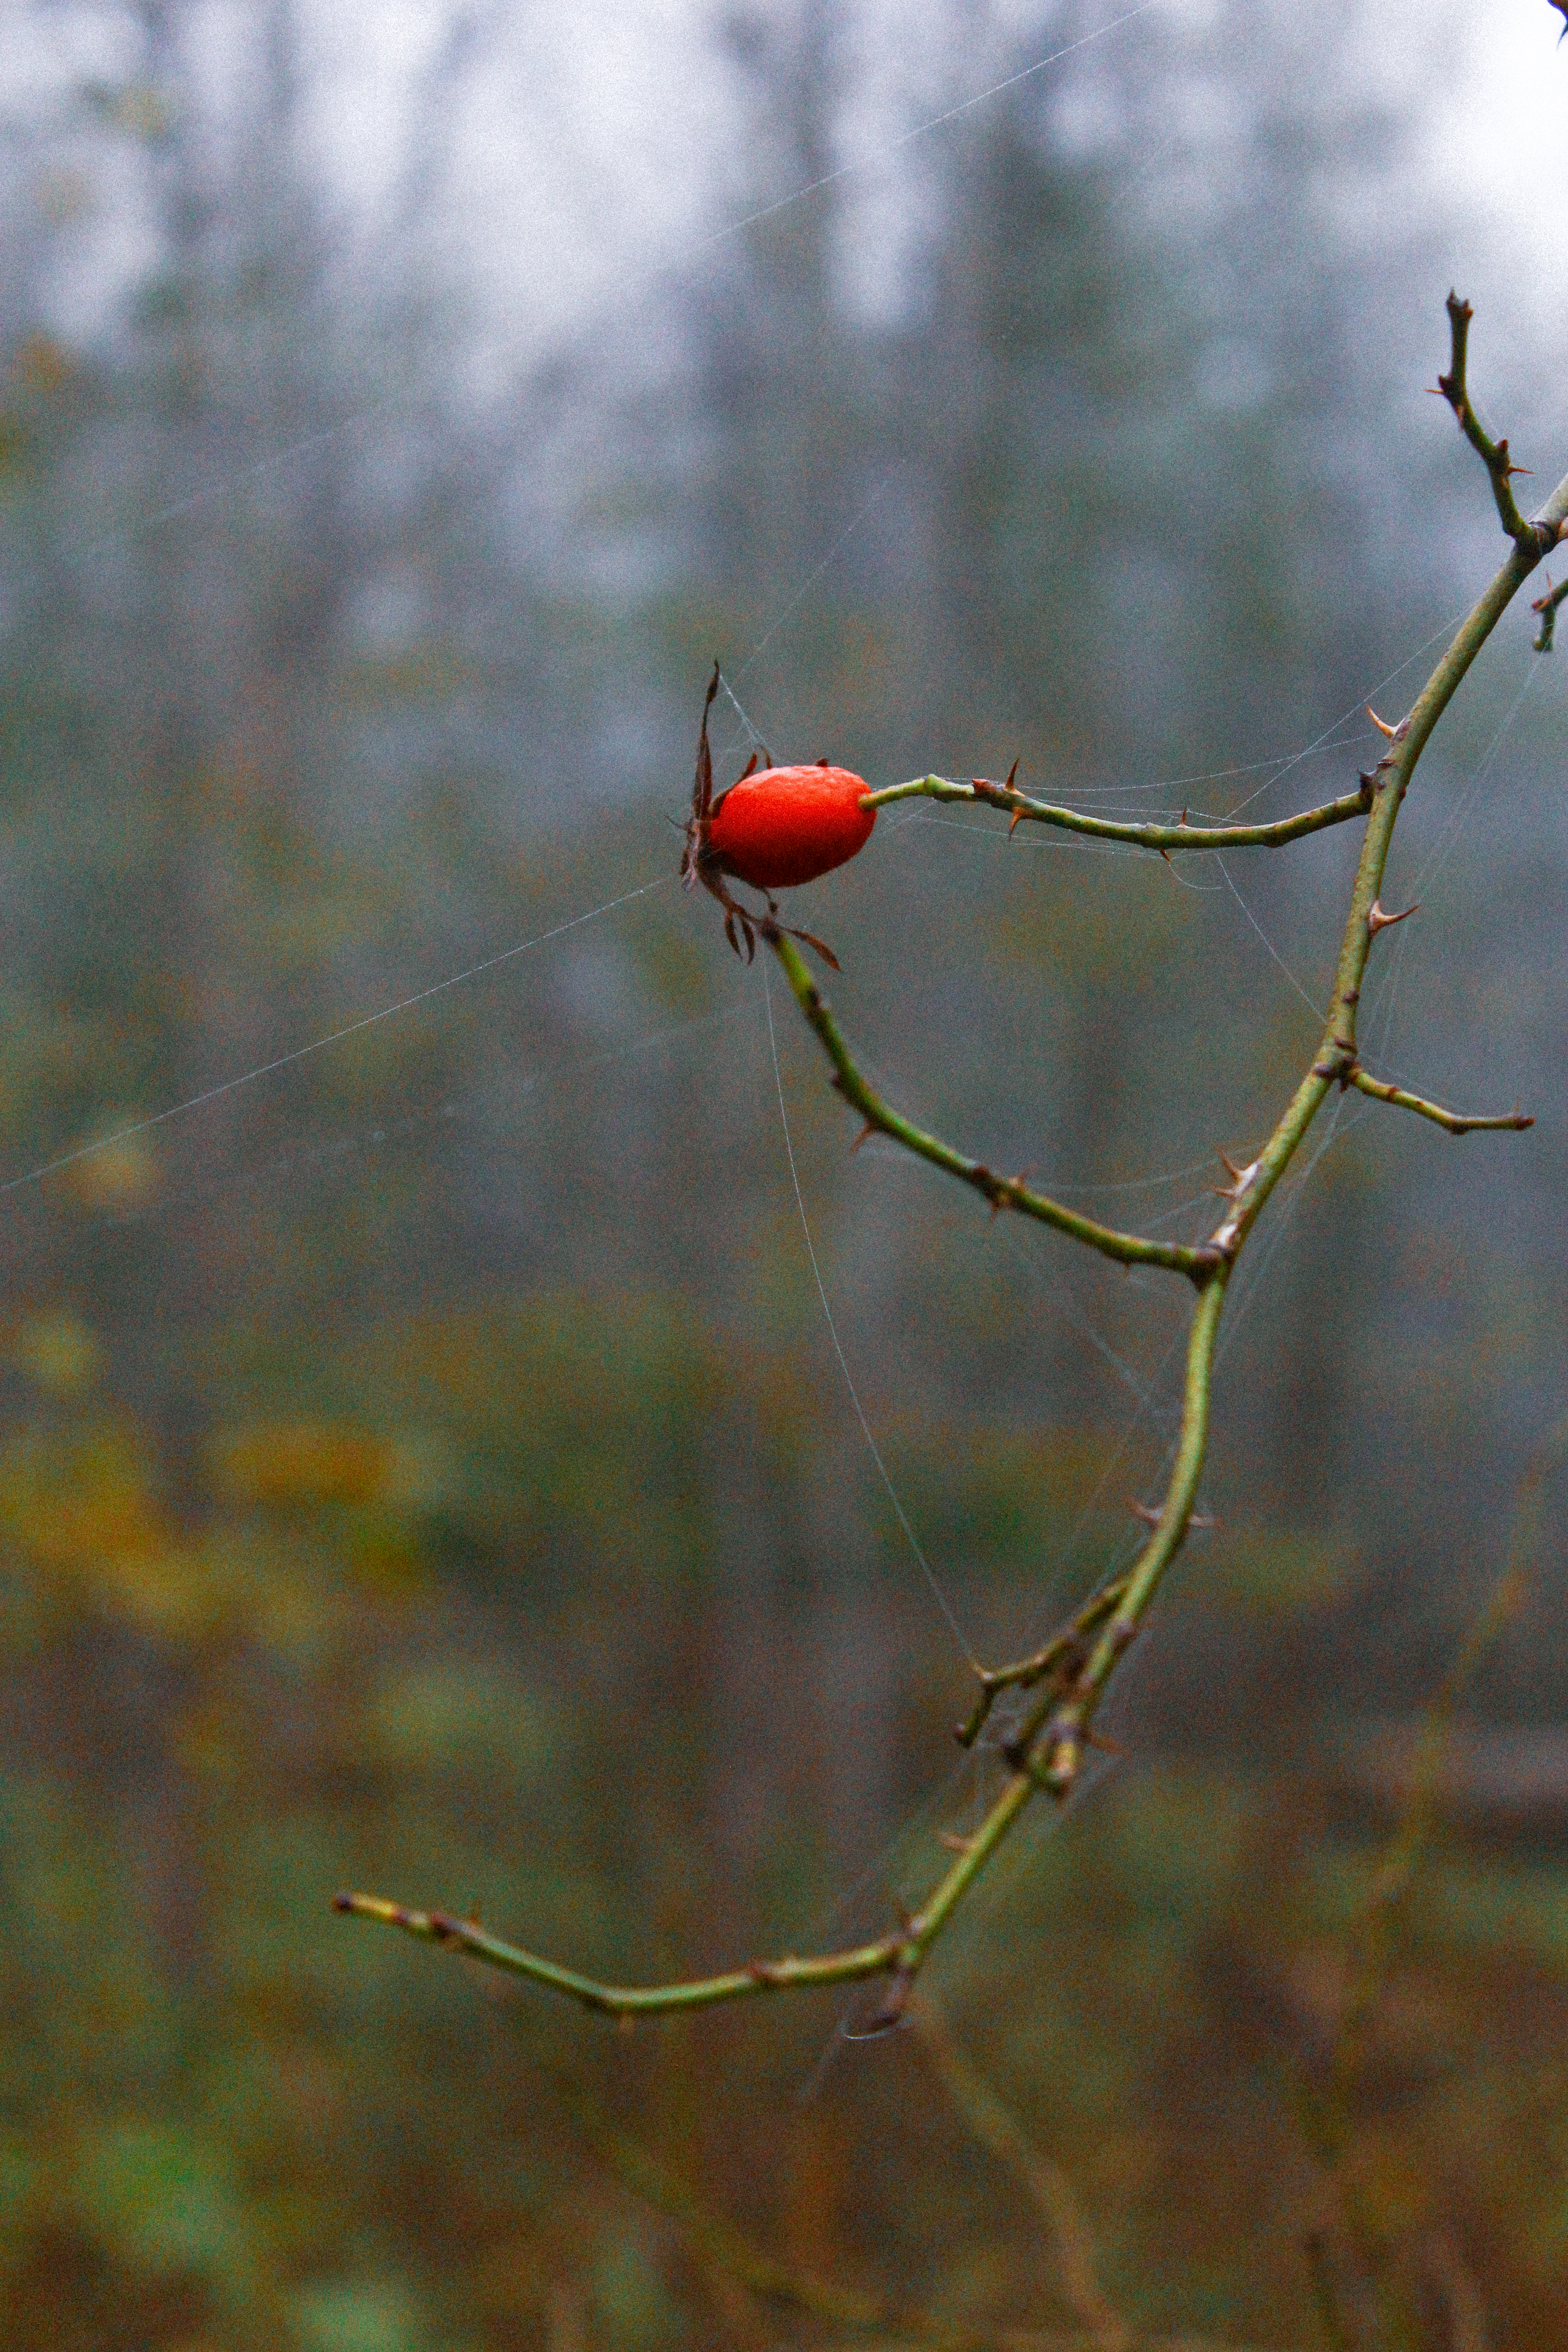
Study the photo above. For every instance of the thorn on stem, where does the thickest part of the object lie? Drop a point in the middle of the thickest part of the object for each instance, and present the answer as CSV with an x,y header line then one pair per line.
x,y
1395,734
891,2010
1202,1520
1376,920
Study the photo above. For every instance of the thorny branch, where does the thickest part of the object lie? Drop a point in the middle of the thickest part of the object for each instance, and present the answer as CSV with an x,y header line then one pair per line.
x,y
1002,1191
1547,605
1163,837
1540,535
1067,1680
1454,1122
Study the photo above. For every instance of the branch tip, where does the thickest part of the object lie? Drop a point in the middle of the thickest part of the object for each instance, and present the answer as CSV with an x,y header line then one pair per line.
x,y
1277,834
1452,1123
1530,538
1546,605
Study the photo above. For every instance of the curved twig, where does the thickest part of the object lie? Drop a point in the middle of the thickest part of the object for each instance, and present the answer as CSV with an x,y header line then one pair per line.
x,y
1002,1191
1045,1750
1454,1122
1164,838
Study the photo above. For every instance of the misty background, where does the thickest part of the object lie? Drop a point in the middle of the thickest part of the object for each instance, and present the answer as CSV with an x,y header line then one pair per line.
x,y
426,1466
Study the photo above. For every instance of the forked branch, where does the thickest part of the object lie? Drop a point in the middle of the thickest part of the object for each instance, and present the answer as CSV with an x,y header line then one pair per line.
x,y
1540,535
1065,1682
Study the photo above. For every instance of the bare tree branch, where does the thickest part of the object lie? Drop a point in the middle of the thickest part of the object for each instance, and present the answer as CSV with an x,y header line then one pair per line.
x,y
1542,535
1547,605
1454,1122
1163,837
1045,1749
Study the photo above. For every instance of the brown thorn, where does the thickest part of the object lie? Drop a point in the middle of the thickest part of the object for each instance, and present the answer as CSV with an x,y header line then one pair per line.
x,y
891,2010
1017,821
1376,920
1010,1187
1202,1520
865,1135
1395,734
1011,774
954,1843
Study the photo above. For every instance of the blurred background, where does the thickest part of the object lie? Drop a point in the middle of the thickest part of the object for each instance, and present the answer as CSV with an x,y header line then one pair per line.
x,y
426,1464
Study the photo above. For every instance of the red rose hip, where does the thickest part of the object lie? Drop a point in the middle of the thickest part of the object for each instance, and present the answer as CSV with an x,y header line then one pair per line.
x,y
782,826
775,828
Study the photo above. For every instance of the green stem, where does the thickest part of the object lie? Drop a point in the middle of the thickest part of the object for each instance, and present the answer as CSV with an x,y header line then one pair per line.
x,y
1047,1750
1002,1191
1453,1122
466,1936
1163,837
1066,1724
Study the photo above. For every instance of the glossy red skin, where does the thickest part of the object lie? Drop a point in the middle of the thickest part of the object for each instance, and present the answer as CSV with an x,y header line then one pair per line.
x,y
786,825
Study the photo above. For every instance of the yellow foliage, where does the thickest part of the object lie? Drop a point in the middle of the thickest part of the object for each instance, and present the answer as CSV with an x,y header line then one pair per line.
x,y
85,1518
57,1351
303,1464
115,1177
